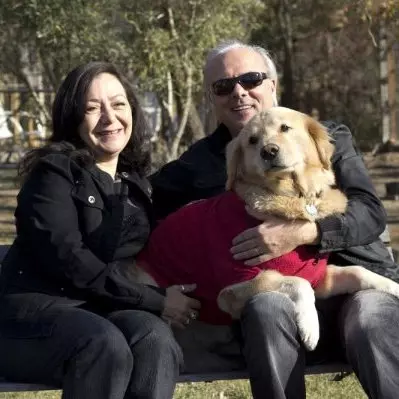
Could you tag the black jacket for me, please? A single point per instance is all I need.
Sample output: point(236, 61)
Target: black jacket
point(68, 223)
point(353, 238)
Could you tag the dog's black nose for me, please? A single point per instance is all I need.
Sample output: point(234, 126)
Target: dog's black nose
point(269, 151)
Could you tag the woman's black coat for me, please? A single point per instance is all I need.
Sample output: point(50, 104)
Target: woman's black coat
point(68, 223)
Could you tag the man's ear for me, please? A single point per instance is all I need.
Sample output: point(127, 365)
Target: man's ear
point(321, 138)
point(233, 162)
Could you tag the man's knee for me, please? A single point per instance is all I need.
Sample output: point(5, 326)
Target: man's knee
point(367, 314)
point(269, 308)
point(269, 331)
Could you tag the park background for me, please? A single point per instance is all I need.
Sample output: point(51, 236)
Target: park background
point(337, 59)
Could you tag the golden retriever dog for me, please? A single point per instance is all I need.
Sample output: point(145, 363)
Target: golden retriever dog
point(279, 164)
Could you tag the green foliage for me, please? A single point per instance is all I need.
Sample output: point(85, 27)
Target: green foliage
point(325, 49)
point(328, 61)
point(149, 40)
point(56, 34)
point(169, 40)
point(169, 36)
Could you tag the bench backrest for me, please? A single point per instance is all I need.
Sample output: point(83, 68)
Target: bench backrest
point(3, 250)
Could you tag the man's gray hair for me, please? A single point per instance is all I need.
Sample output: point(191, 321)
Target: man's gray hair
point(228, 45)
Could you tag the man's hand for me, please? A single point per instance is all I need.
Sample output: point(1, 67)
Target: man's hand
point(271, 239)
point(180, 309)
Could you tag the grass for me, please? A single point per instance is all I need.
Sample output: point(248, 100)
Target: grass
point(320, 386)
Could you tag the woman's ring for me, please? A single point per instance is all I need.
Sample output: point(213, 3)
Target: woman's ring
point(187, 322)
point(182, 288)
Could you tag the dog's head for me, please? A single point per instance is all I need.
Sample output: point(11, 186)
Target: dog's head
point(275, 144)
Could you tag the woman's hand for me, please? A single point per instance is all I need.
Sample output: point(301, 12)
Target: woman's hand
point(271, 239)
point(180, 309)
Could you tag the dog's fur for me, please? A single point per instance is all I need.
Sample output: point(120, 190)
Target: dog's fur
point(280, 164)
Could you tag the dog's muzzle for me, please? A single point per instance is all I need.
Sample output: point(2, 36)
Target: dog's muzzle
point(269, 152)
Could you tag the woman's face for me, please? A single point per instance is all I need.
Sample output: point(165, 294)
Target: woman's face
point(107, 124)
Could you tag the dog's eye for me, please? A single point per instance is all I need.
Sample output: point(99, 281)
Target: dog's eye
point(284, 127)
point(253, 140)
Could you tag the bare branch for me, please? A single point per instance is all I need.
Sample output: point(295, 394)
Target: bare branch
point(369, 31)
point(172, 23)
point(183, 122)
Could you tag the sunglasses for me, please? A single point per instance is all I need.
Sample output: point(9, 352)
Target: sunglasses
point(248, 81)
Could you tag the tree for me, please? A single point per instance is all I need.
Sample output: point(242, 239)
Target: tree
point(383, 19)
point(42, 41)
point(328, 62)
point(169, 41)
point(160, 44)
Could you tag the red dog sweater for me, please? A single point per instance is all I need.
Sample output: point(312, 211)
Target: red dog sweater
point(193, 245)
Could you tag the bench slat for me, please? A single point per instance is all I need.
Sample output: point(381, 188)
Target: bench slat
point(3, 251)
point(6, 386)
point(331, 368)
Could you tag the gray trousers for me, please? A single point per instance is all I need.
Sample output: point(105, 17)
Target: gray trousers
point(361, 328)
point(127, 354)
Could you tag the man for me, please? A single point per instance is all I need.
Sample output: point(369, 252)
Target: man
point(241, 81)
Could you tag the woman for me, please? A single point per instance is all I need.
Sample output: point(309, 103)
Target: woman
point(70, 314)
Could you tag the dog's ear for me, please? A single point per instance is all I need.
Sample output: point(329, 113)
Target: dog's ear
point(233, 162)
point(320, 136)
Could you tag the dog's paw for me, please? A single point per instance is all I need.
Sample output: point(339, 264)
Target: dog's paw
point(390, 287)
point(308, 327)
point(371, 280)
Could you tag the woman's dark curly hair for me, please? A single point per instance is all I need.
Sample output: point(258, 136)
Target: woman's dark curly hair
point(68, 113)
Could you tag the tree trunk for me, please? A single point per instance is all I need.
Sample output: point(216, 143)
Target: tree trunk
point(392, 93)
point(383, 60)
point(173, 149)
point(283, 14)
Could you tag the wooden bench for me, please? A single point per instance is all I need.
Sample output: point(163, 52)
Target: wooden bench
point(340, 369)
point(392, 190)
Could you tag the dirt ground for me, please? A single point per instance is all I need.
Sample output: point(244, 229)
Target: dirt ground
point(383, 169)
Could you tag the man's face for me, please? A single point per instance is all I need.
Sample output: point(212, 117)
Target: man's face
point(238, 107)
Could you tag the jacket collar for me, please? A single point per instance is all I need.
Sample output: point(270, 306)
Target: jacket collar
point(219, 139)
point(106, 180)
point(141, 182)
